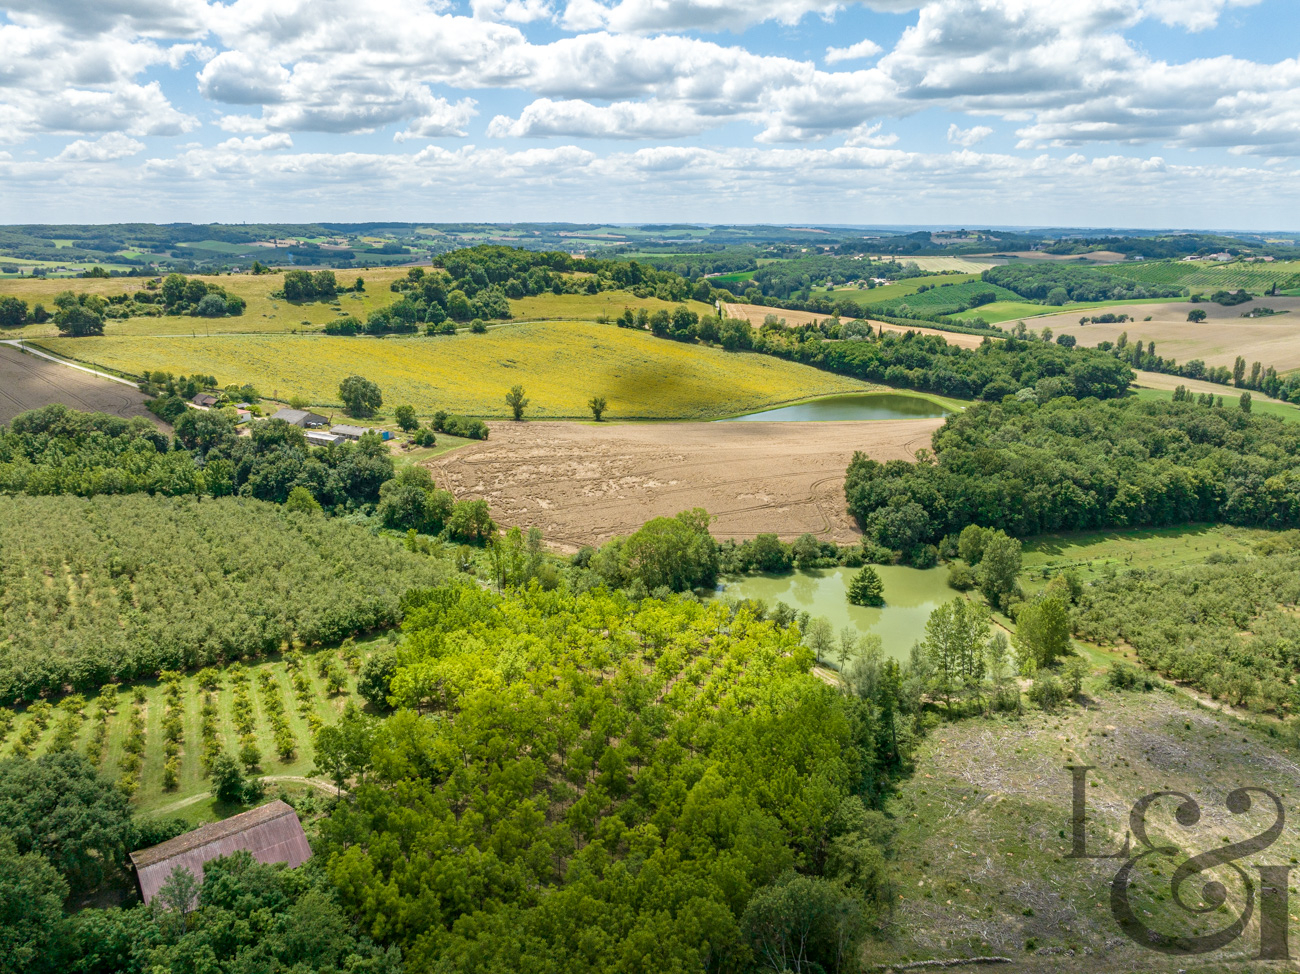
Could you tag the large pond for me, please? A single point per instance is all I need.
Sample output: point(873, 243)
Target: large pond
point(858, 406)
point(910, 596)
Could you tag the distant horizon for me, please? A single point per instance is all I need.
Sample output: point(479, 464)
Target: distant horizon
point(1045, 228)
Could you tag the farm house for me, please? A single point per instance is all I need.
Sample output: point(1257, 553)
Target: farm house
point(270, 833)
point(350, 432)
point(300, 417)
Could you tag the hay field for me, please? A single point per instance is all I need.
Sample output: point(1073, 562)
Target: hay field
point(265, 314)
point(560, 364)
point(1219, 340)
point(589, 307)
point(584, 483)
point(961, 265)
point(755, 313)
point(28, 382)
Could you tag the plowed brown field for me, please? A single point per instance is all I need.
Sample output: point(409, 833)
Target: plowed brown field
point(28, 382)
point(583, 483)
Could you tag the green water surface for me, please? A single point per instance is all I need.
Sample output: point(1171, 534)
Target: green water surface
point(857, 406)
point(911, 594)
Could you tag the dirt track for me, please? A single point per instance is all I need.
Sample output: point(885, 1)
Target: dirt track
point(28, 382)
point(583, 484)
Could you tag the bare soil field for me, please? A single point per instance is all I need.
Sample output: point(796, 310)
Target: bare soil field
point(585, 483)
point(962, 264)
point(28, 382)
point(755, 313)
point(1218, 340)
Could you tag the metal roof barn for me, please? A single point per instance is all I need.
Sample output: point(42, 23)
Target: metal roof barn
point(270, 833)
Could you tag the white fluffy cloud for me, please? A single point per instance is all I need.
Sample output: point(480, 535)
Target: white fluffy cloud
point(1062, 74)
point(104, 149)
point(516, 11)
point(93, 18)
point(968, 137)
point(1192, 14)
point(854, 52)
point(781, 185)
point(441, 118)
point(575, 118)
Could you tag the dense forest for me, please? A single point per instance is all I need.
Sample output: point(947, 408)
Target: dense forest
point(591, 783)
point(1227, 627)
point(117, 588)
point(1058, 283)
point(1029, 468)
point(56, 450)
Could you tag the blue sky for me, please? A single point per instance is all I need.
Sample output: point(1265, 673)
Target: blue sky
point(1143, 113)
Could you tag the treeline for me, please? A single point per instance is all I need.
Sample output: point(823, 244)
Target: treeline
point(796, 277)
point(1174, 245)
point(679, 785)
point(119, 588)
point(1063, 465)
point(695, 266)
point(1228, 627)
point(928, 363)
point(57, 450)
point(1058, 283)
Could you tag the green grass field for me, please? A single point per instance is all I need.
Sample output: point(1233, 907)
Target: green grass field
point(1095, 553)
point(945, 299)
point(1259, 407)
point(560, 364)
point(190, 798)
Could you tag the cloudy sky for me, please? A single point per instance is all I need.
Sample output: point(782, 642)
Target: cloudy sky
point(1156, 113)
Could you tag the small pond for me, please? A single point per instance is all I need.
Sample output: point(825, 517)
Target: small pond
point(858, 406)
point(911, 594)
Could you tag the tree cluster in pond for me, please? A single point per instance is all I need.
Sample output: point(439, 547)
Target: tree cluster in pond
point(1027, 468)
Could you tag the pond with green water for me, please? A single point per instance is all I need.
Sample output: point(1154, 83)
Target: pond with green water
point(858, 406)
point(911, 594)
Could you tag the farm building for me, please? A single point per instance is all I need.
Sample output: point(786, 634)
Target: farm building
point(356, 432)
point(321, 438)
point(270, 833)
point(300, 417)
point(204, 400)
